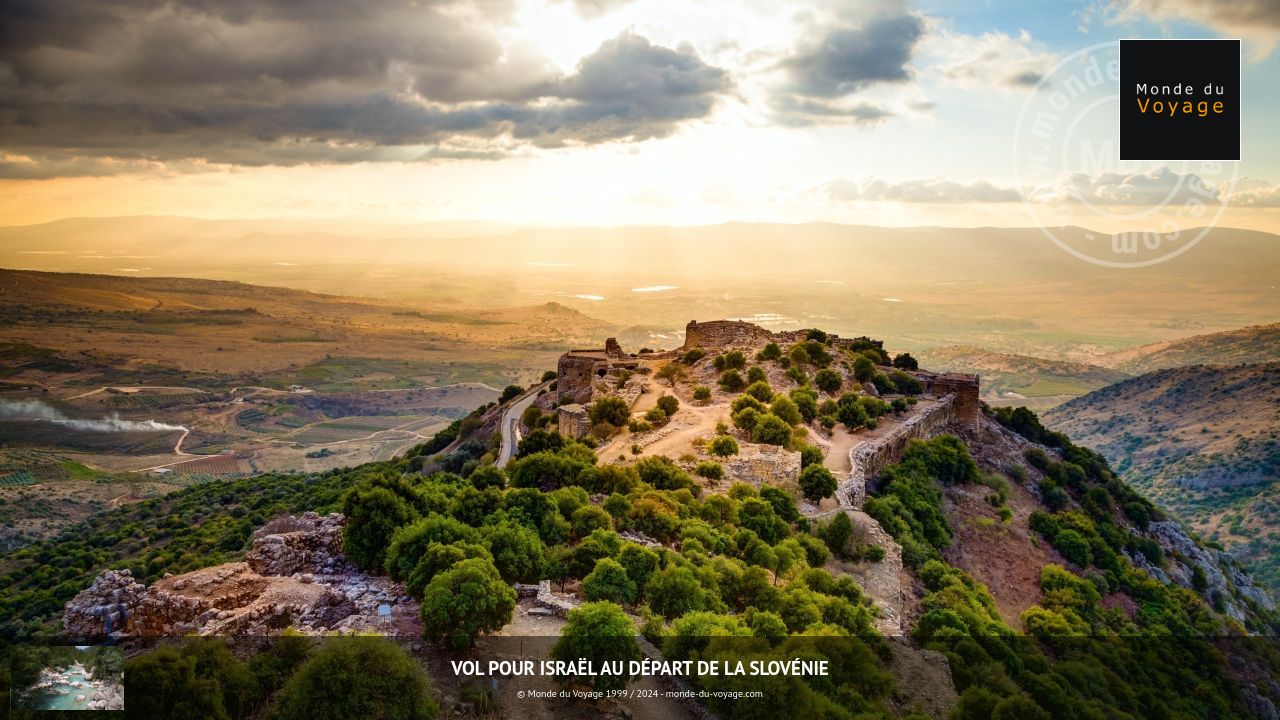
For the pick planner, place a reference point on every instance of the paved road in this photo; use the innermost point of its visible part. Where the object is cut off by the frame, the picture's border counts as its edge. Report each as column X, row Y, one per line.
column 510, row 419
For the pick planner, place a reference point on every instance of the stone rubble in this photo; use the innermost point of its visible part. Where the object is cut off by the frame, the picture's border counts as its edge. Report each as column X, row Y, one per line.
column 294, row 575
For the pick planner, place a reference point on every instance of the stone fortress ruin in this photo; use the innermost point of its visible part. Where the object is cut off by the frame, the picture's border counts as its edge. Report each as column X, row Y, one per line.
column 583, row 374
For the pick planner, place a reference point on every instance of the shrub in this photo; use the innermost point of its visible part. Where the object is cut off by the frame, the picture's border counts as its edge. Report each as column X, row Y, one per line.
column 828, row 381
column 655, row 416
column 599, row 632
column 702, row 393
column 755, row 374
column 771, row 430
column 760, row 391
column 518, row 553
column 817, row 482
column 709, row 470
column 437, row 558
column 373, row 515
column 662, row 473
column 611, row 410
column 770, row 351
column 487, row 476
column 336, row 683
column 785, row 408
column 461, row 603
column 669, row 404
column 510, row 392
column 905, row 362
column 724, row 446
column 1074, row 547
column 609, row 581
column 836, row 534
column 731, row 381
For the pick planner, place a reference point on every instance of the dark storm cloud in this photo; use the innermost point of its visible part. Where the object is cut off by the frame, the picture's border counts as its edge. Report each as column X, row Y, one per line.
column 844, row 61
column 86, row 84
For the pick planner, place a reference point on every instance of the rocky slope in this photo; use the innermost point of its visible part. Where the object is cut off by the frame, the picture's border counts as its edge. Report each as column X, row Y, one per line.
column 1201, row 441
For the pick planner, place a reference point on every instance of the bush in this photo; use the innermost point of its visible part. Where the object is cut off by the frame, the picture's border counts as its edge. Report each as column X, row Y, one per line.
column 437, row 558
column 724, row 446
column 1074, row 547
column 510, row 392
column 518, row 553
column 609, row 581
column 669, row 404
column 755, row 374
column 731, row 381
column 828, row 381
column 710, row 470
column 760, row 391
column 771, row 430
column 461, row 603
column 702, row 393
column 487, row 476
column 611, row 410
column 373, row 515
column 785, row 408
column 817, row 482
column 770, row 351
column 662, row 473
column 905, row 362
column 337, row 682
column 836, row 534
column 602, row 633
column 655, row 416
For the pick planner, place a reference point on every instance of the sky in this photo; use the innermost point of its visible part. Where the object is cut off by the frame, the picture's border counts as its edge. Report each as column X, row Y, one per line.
column 604, row 112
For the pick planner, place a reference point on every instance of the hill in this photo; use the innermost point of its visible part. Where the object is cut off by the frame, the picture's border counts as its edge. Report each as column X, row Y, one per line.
column 1201, row 440
column 1019, row 379
column 1254, row 344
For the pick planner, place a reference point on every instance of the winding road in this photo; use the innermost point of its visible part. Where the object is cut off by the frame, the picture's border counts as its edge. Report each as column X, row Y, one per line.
column 511, row 420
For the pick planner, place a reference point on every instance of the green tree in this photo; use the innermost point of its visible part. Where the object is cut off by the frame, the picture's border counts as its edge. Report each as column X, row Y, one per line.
column 836, row 534
column 599, row 632
column 518, row 553
column 828, row 381
column 675, row 591
column 771, row 430
column 198, row 679
column 408, row 543
column 702, row 393
column 589, row 518
column 817, row 482
column 863, row 368
column 439, row 557
column 510, row 392
column 1073, row 547
column 373, row 516
column 357, row 677
column 709, row 470
column 610, row 409
column 609, row 581
column 662, row 473
column 904, row 361
column 669, row 404
column 770, row 351
column 731, row 381
column 459, row 604
column 724, row 446
column 760, row 390
column 785, row 408
column 487, row 476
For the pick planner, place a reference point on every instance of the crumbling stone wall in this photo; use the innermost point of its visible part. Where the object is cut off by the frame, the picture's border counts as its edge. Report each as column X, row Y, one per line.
column 716, row 334
column 760, row 465
column 869, row 458
column 963, row 386
column 572, row 421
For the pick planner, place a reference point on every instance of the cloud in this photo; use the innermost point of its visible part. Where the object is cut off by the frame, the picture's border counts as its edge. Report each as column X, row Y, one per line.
column 934, row 190
column 1255, row 20
column 992, row 59
column 87, row 88
column 1159, row 186
column 821, row 76
column 1252, row 193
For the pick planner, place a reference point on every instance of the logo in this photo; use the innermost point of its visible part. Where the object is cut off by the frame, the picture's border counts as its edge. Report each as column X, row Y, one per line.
column 1179, row 99
column 1095, row 196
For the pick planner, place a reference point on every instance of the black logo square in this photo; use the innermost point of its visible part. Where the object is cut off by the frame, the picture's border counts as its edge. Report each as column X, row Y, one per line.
column 1180, row 99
